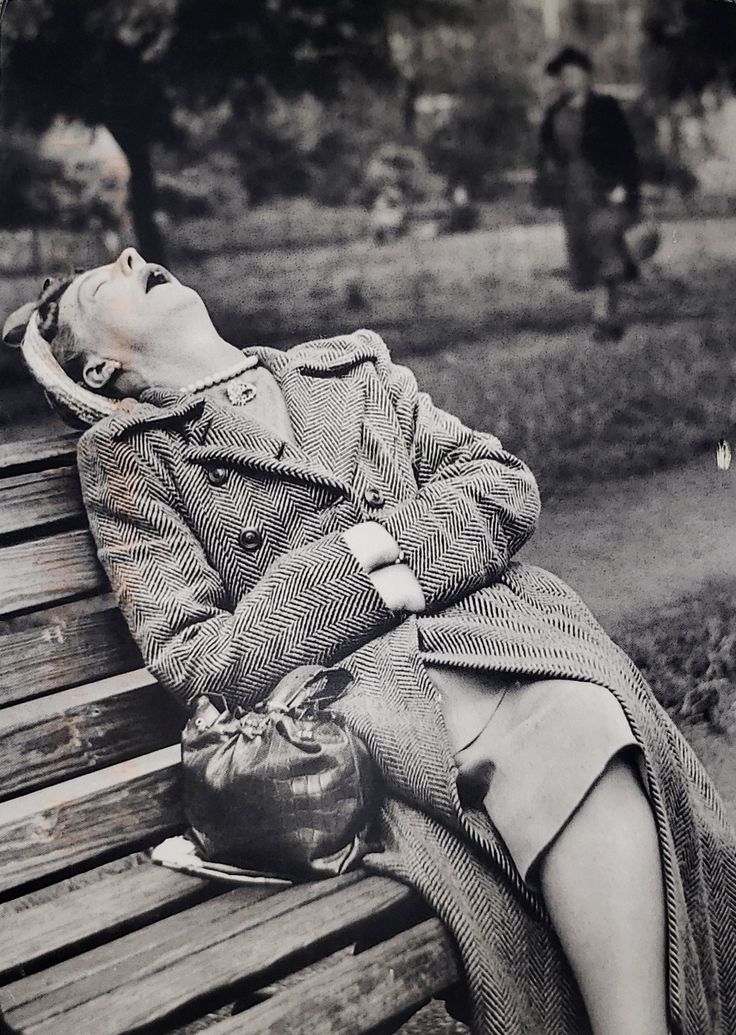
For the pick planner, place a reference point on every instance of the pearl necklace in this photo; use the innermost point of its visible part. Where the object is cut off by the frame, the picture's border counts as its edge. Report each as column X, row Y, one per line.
column 238, row 393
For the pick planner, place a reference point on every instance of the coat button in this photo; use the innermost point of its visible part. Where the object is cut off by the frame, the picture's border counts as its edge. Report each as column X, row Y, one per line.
column 250, row 539
column 374, row 497
column 217, row 475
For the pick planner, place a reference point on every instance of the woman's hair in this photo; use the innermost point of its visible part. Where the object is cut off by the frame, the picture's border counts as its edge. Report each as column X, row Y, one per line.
column 60, row 336
column 65, row 347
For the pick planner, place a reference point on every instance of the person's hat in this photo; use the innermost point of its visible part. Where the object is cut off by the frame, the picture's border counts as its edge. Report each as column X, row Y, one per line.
column 569, row 56
column 21, row 330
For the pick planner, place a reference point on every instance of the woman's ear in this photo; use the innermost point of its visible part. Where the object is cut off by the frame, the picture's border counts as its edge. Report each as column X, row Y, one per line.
column 97, row 372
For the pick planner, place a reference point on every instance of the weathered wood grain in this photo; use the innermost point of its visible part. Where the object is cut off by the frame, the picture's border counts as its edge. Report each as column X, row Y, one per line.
column 63, row 646
column 110, row 906
column 29, row 502
column 48, row 570
column 357, row 993
column 83, row 729
column 77, row 821
column 211, row 949
column 35, row 453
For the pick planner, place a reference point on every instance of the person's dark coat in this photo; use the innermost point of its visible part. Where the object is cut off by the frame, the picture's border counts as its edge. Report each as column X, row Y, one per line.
column 608, row 145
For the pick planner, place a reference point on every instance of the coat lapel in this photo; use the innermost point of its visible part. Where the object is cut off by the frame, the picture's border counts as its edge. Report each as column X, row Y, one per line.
column 327, row 415
column 326, row 406
column 325, row 403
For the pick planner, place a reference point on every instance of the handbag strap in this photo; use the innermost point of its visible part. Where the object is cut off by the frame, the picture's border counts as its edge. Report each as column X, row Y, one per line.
column 308, row 685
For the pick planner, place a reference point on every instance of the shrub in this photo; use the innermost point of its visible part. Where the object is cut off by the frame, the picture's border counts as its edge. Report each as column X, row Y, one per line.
column 688, row 655
column 31, row 186
column 487, row 131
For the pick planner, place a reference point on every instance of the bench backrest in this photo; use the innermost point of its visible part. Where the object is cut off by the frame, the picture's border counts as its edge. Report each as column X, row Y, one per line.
column 88, row 741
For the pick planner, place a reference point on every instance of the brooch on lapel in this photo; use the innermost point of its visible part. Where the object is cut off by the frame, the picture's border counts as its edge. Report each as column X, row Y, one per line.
column 238, row 392
column 241, row 392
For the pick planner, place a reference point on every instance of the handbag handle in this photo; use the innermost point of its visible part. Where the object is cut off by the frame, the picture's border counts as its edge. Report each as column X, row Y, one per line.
column 309, row 685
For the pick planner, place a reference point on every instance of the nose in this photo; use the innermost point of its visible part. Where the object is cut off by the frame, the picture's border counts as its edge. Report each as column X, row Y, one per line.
column 129, row 261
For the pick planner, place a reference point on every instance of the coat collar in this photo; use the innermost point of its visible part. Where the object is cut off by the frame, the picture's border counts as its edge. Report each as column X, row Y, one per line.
column 326, row 412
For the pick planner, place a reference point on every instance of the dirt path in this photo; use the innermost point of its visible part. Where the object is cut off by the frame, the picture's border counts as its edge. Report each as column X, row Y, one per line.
column 637, row 544
column 632, row 545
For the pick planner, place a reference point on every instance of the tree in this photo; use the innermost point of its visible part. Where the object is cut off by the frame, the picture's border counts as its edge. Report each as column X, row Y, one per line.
column 689, row 44
column 135, row 65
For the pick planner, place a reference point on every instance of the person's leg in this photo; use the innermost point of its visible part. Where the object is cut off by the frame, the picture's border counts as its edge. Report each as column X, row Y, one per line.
column 605, row 303
column 602, row 882
column 580, row 258
column 611, row 264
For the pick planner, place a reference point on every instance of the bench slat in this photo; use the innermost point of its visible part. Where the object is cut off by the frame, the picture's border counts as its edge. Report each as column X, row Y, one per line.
column 357, row 993
column 92, row 973
column 48, row 571
column 31, row 454
column 82, row 819
column 209, row 950
column 83, row 729
column 108, row 907
column 29, row 502
column 63, row 646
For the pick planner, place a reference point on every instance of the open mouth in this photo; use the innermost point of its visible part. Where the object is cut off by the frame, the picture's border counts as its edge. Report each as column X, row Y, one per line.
column 156, row 277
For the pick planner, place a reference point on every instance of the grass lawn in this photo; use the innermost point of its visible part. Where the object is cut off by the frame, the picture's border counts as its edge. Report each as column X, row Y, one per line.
column 493, row 332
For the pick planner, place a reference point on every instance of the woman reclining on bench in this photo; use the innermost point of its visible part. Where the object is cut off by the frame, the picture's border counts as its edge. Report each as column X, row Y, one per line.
column 259, row 510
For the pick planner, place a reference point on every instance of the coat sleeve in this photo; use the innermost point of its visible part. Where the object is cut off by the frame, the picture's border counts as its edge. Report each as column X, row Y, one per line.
column 476, row 505
column 314, row 605
column 625, row 149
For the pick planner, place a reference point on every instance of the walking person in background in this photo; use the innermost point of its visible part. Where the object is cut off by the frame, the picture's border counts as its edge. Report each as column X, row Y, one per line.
column 588, row 167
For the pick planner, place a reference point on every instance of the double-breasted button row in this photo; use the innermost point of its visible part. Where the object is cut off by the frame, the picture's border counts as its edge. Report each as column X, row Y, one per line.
column 373, row 496
column 251, row 539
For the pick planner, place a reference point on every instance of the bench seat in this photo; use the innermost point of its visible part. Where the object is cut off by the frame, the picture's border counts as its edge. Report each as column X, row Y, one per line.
column 96, row 938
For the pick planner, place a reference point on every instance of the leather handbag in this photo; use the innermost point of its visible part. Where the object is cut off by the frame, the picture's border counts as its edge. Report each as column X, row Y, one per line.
column 283, row 789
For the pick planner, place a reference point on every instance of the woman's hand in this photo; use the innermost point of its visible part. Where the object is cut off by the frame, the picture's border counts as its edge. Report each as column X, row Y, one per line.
column 378, row 554
column 371, row 545
column 399, row 588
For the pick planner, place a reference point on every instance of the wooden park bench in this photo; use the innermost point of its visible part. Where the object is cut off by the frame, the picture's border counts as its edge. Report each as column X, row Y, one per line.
column 94, row 938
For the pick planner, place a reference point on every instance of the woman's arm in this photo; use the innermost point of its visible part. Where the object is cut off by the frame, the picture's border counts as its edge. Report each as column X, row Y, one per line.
column 314, row 605
column 476, row 506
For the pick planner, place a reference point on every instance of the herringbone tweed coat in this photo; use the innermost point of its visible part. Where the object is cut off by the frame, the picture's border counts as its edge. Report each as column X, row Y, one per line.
column 224, row 546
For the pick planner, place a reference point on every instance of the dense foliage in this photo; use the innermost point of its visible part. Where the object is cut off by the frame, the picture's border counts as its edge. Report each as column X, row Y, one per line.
column 690, row 43
column 135, row 65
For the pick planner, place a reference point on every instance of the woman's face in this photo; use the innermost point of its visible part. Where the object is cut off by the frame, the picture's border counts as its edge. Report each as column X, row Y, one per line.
column 131, row 308
column 574, row 79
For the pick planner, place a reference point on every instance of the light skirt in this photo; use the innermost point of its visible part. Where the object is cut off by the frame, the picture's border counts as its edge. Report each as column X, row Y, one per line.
column 530, row 752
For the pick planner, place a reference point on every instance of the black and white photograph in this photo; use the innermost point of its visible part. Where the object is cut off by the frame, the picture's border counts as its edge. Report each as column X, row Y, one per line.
column 368, row 517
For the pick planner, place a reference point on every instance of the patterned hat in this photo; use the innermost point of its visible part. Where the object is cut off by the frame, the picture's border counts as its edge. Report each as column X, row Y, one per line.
column 21, row 330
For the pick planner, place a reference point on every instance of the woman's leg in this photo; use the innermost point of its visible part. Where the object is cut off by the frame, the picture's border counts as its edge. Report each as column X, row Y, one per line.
column 602, row 882
column 555, row 769
column 605, row 304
